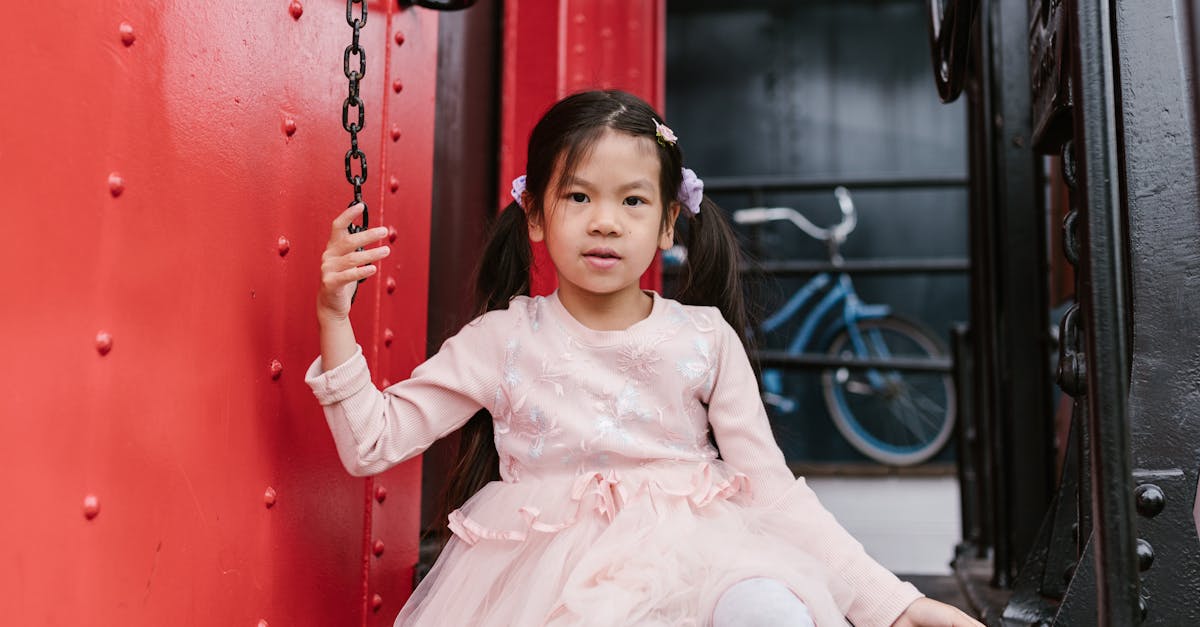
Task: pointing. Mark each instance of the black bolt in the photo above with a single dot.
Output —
(1150, 499)
(1145, 555)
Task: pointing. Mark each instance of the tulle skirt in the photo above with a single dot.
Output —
(651, 545)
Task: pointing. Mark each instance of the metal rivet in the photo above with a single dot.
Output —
(262, 622)
(380, 493)
(395, 132)
(1145, 555)
(104, 342)
(284, 246)
(127, 36)
(388, 336)
(276, 369)
(391, 234)
(91, 506)
(376, 602)
(399, 38)
(1150, 499)
(394, 184)
(397, 86)
(269, 497)
(296, 9)
(378, 548)
(116, 184)
(391, 285)
(289, 127)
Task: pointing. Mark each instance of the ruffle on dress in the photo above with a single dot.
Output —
(654, 544)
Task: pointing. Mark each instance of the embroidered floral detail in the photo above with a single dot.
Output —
(677, 314)
(512, 351)
(534, 309)
(552, 376)
(512, 468)
(536, 427)
(638, 358)
(613, 412)
(698, 371)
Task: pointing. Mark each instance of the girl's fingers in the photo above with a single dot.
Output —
(342, 222)
(333, 265)
(347, 242)
(361, 257)
(342, 242)
(334, 281)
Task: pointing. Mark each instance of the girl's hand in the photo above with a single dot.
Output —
(925, 612)
(342, 265)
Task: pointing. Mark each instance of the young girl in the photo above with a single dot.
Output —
(635, 477)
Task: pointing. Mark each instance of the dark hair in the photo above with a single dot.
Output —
(564, 135)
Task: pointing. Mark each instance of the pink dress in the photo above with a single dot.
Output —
(613, 508)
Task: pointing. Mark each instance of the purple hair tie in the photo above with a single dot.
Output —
(518, 190)
(691, 191)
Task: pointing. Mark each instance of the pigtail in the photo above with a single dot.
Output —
(502, 273)
(503, 270)
(712, 274)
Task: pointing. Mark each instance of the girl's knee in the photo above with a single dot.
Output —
(760, 602)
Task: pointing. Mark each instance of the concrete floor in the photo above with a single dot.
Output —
(910, 524)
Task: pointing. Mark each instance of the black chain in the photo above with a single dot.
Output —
(352, 100)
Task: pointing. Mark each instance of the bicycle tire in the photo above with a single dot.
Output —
(867, 434)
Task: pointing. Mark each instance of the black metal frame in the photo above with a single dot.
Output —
(1117, 544)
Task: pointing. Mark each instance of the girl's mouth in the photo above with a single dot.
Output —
(601, 257)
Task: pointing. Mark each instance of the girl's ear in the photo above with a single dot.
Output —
(536, 233)
(666, 239)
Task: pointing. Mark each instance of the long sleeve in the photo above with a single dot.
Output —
(743, 433)
(375, 430)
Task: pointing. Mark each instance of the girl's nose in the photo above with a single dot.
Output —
(604, 221)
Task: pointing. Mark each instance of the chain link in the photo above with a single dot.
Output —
(353, 101)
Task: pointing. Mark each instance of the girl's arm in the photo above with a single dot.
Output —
(375, 430)
(743, 434)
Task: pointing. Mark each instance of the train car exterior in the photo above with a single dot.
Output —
(165, 462)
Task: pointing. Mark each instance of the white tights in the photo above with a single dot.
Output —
(760, 602)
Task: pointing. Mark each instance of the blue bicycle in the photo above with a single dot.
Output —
(895, 417)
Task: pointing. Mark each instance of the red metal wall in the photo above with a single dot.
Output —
(164, 463)
(556, 47)
(148, 186)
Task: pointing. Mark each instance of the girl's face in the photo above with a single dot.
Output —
(604, 227)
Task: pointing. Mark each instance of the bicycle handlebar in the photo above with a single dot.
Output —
(836, 233)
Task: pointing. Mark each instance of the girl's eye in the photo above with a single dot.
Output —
(577, 197)
(634, 201)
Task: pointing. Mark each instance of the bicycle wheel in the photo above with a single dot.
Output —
(897, 418)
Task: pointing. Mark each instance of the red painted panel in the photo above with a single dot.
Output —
(408, 170)
(556, 48)
(180, 430)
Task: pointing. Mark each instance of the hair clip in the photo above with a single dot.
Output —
(665, 135)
